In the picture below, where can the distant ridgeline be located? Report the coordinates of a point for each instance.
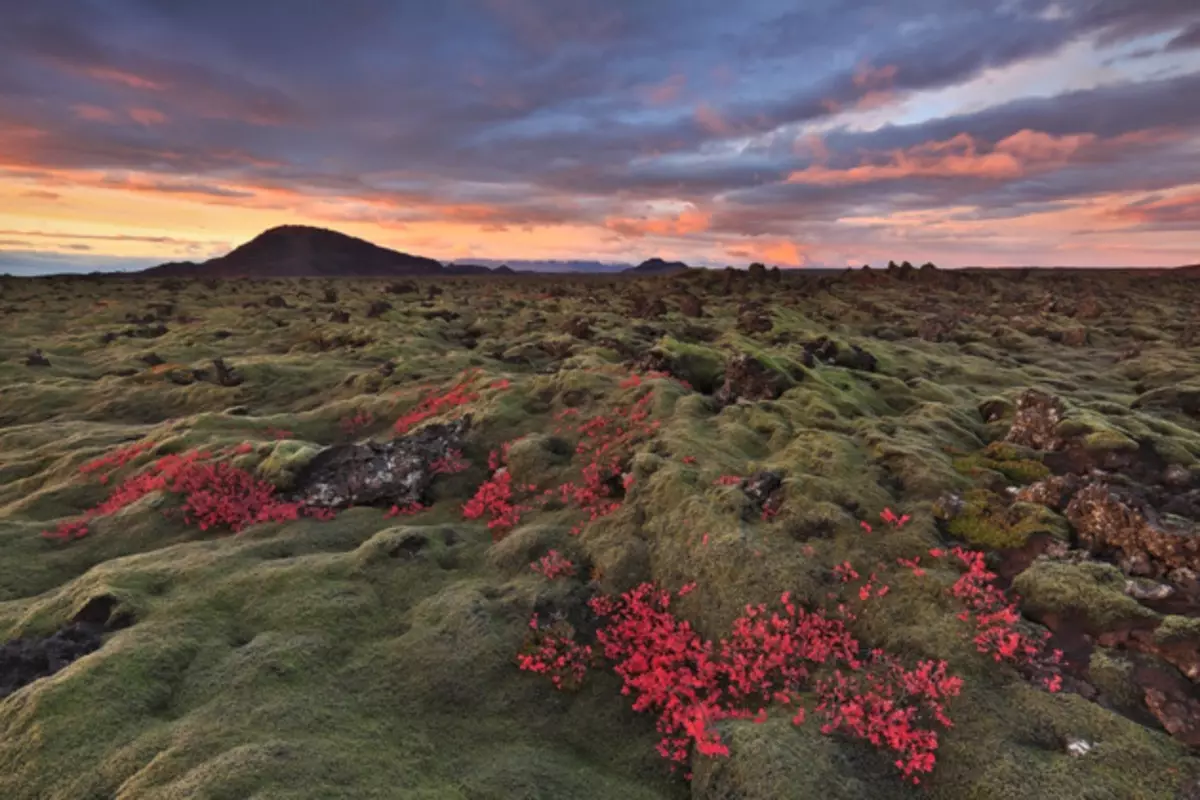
(294, 251)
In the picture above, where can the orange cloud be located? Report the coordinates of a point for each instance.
(775, 251)
(1023, 152)
(93, 113)
(147, 116)
(661, 94)
(687, 222)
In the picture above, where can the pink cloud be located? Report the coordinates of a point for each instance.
(687, 222)
(710, 120)
(1024, 152)
(147, 116)
(661, 94)
(93, 113)
(867, 77)
(113, 75)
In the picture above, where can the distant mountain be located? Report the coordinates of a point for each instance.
(468, 269)
(550, 265)
(656, 266)
(290, 251)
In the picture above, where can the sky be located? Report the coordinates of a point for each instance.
(823, 133)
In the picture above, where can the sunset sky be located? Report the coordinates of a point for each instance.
(1005, 132)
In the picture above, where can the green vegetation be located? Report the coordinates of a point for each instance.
(373, 656)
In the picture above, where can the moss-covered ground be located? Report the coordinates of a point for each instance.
(322, 659)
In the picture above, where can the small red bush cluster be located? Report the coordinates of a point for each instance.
(552, 651)
(996, 616)
(433, 404)
(214, 494)
(452, 464)
(111, 462)
(352, 425)
(406, 510)
(553, 565)
(604, 444)
(278, 433)
(690, 683)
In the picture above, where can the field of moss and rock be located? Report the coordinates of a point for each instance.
(715, 535)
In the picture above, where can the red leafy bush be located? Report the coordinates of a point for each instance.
(553, 565)
(214, 494)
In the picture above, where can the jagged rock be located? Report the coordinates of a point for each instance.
(22, 661)
(373, 473)
(276, 301)
(579, 327)
(36, 359)
(1107, 519)
(226, 375)
(1054, 492)
(690, 305)
(1172, 701)
(1037, 417)
(747, 378)
(378, 308)
(763, 489)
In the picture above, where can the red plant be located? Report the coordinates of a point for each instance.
(213, 494)
(996, 617)
(553, 565)
(452, 463)
(433, 404)
(551, 651)
(494, 498)
(353, 425)
(405, 510)
(727, 480)
(115, 460)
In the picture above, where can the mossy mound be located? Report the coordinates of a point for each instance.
(987, 521)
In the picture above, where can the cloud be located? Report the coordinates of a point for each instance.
(689, 125)
(1012, 157)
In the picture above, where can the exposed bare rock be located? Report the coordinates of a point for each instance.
(1037, 417)
(748, 378)
(1054, 492)
(1108, 520)
(373, 473)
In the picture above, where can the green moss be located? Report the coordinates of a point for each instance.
(986, 521)
(1091, 592)
(285, 461)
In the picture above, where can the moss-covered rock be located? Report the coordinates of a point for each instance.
(1089, 593)
(987, 521)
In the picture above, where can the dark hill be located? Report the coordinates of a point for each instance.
(657, 265)
(290, 251)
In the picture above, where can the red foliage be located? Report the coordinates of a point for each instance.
(214, 495)
(552, 651)
(403, 511)
(351, 426)
(433, 404)
(996, 617)
(116, 459)
(453, 463)
(553, 565)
